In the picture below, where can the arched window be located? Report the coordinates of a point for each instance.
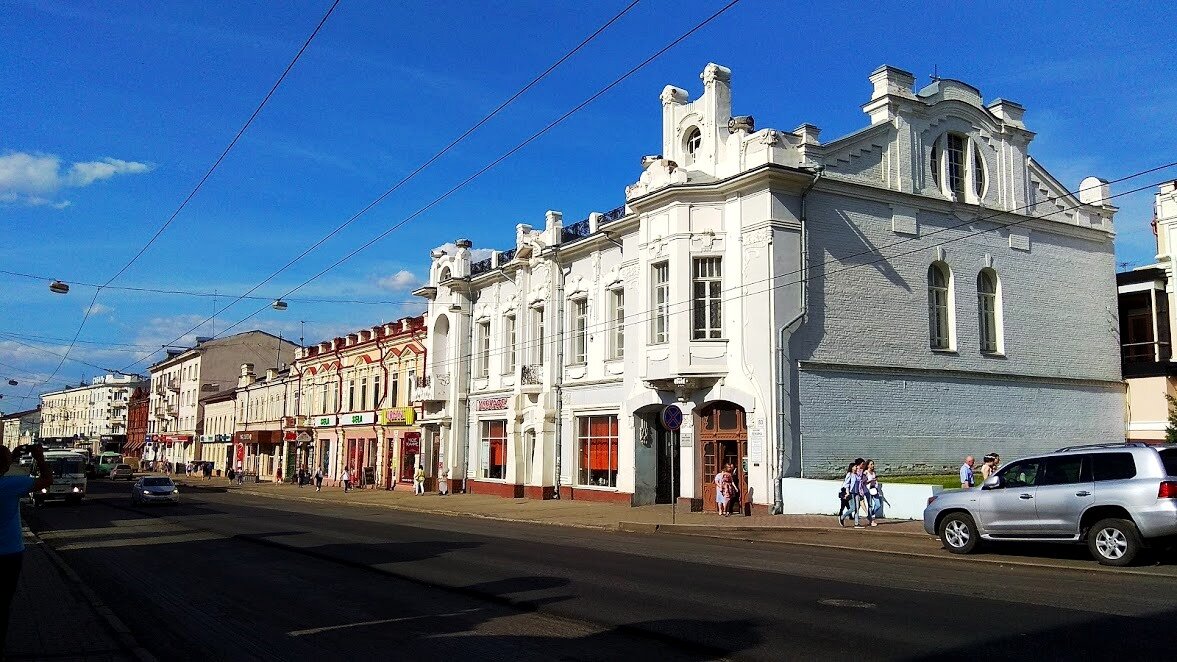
(989, 311)
(444, 276)
(692, 143)
(958, 167)
(940, 306)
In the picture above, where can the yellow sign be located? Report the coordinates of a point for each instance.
(399, 416)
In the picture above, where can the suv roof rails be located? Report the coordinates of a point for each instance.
(1115, 444)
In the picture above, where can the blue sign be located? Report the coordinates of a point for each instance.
(671, 417)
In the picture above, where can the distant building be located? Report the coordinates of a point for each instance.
(175, 416)
(1147, 304)
(220, 423)
(917, 291)
(21, 427)
(137, 422)
(90, 416)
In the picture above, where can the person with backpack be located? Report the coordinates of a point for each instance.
(319, 479)
(849, 494)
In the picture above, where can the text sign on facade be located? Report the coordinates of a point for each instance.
(400, 416)
(324, 421)
(492, 404)
(756, 438)
(365, 418)
(412, 443)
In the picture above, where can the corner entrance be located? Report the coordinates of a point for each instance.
(722, 439)
(656, 457)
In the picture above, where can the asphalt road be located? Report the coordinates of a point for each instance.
(229, 576)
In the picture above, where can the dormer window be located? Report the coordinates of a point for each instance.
(445, 275)
(958, 168)
(692, 143)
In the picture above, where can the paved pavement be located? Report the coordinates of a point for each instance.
(56, 617)
(235, 575)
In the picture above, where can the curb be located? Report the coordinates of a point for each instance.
(120, 629)
(703, 530)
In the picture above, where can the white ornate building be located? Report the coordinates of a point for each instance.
(906, 292)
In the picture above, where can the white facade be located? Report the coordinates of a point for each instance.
(90, 411)
(22, 427)
(888, 294)
(220, 421)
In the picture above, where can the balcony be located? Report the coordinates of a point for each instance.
(531, 378)
(433, 387)
(1147, 359)
(174, 384)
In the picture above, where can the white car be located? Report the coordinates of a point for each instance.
(154, 489)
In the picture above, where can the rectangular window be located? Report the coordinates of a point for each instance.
(597, 450)
(660, 324)
(509, 340)
(955, 163)
(351, 395)
(410, 384)
(494, 449)
(707, 291)
(392, 390)
(376, 403)
(579, 324)
(537, 335)
(616, 324)
(364, 393)
(483, 365)
(323, 399)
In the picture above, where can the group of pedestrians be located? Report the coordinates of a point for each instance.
(861, 494)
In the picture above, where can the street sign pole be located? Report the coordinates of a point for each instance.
(673, 476)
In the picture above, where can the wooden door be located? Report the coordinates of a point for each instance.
(722, 439)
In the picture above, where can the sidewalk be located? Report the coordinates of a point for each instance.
(566, 513)
(55, 617)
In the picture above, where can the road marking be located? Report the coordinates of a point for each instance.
(853, 604)
(384, 621)
(136, 542)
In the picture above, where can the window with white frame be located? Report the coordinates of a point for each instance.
(579, 326)
(692, 141)
(958, 167)
(393, 379)
(509, 344)
(483, 365)
(706, 298)
(596, 440)
(660, 296)
(376, 394)
(537, 336)
(616, 323)
(351, 395)
(364, 392)
(940, 320)
(989, 311)
(493, 445)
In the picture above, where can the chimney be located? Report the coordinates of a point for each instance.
(889, 80)
(1009, 112)
(247, 375)
(271, 374)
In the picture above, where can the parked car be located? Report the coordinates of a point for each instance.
(154, 489)
(122, 471)
(1114, 497)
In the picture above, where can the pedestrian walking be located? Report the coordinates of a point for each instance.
(443, 481)
(12, 547)
(989, 465)
(850, 494)
(870, 492)
(319, 480)
(345, 476)
(966, 473)
(723, 491)
(419, 480)
(240, 474)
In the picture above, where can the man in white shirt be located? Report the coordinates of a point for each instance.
(966, 473)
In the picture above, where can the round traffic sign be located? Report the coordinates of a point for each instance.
(671, 417)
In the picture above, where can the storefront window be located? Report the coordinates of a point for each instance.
(597, 450)
(494, 449)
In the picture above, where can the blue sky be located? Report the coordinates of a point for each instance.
(112, 110)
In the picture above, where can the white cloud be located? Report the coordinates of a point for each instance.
(398, 282)
(32, 179)
(476, 254)
(98, 309)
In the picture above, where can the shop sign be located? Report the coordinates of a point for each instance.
(412, 443)
(323, 421)
(400, 416)
(239, 452)
(366, 418)
(245, 437)
(303, 438)
(289, 435)
(171, 438)
(492, 404)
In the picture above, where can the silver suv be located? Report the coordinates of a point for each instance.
(1111, 496)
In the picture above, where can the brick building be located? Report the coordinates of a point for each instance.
(907, 292)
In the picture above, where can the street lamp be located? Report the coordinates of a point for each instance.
(58, 287)
(279, 305)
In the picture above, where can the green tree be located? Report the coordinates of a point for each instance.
(1171, 429)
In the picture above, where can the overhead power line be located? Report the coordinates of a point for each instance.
(428, 162)
(195, 189)
(503, 157)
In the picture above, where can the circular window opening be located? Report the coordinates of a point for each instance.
(693, 141)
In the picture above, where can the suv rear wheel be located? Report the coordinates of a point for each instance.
(959, 534)
(1114, 541)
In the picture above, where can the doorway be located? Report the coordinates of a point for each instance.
(723, 439)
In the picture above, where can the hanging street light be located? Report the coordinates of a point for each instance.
(279, 305)
(58, 287)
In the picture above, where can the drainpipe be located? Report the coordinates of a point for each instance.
(339, 435)
(559, 379)
(784, 404)
(469, 399)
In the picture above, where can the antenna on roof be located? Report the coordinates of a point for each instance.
(935, 72)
